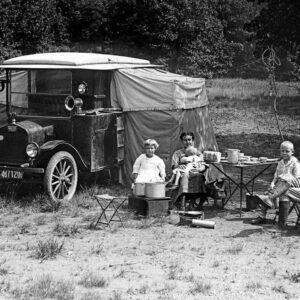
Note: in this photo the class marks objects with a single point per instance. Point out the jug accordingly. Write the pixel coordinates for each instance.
(233, 156)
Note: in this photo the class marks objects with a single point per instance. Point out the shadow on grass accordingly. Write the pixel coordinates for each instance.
(246, 233)
(243, 219)
(291, 231)
(267, 228)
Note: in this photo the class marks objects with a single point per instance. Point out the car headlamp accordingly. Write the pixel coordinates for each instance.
(82, 88)
(32, 150)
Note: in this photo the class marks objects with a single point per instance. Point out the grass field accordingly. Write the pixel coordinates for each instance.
(50, 251)
(243, 115)
(248, 89)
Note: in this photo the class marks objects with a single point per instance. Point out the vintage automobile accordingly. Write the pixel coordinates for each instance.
(60, 121)
(63, 115)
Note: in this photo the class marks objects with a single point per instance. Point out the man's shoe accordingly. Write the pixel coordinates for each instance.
(277, 228)
(265, 199)
(258, 221)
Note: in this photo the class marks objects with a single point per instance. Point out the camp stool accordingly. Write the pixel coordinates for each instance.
(294, 195)
(112, 204)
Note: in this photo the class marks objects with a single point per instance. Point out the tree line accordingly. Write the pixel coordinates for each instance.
(197, 37)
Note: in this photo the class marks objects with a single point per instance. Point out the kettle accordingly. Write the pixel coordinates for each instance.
(233, 156)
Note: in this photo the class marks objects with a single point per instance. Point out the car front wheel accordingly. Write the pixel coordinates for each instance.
(61, 176)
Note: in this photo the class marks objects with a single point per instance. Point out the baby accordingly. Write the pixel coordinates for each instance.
(287, 175)
(187, 163)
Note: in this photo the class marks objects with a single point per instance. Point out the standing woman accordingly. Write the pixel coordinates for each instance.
(148, 167)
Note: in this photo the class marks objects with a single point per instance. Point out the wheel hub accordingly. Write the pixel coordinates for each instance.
(63, 178)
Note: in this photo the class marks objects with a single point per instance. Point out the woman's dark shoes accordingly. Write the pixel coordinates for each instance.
(258, 221)
(169, 184)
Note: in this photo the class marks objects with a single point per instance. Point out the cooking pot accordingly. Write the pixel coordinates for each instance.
(192, 213)
(139, 189)
(233, 156)
(155, 190)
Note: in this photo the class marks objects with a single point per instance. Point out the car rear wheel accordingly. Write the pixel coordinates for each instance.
(61, 176)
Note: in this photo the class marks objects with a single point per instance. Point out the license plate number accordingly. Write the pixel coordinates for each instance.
(11, 174)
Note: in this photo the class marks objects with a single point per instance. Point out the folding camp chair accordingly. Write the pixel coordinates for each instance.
(109, 203)
(294, 195)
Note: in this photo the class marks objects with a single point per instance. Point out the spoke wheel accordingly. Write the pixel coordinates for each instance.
(61, 176)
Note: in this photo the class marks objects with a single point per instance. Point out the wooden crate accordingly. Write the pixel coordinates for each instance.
(149, 207)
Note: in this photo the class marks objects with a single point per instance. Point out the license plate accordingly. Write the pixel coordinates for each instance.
(11, 174)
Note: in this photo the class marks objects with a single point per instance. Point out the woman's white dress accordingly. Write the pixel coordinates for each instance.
(149, 169)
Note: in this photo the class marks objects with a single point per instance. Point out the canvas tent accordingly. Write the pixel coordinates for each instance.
(161, 105)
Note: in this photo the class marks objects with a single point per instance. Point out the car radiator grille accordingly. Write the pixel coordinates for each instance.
(12, 147)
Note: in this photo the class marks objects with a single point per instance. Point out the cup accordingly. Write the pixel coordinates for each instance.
(241, 156)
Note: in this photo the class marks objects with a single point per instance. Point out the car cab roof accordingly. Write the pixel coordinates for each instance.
(74, 60)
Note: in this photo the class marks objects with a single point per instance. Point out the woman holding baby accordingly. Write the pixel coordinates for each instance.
(179, 159)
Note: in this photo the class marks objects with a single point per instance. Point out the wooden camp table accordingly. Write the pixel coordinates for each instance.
(241, 184)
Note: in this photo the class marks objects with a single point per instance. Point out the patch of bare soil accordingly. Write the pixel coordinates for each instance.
(59, 255)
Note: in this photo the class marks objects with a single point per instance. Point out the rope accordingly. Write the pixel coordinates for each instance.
(270, 60)
(245, 65)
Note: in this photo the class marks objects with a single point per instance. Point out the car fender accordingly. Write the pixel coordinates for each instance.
(48, 149)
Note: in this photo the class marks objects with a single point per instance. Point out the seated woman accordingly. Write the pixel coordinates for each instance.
(188, 140)
(190, 162)
(148, 167)
(189, 182)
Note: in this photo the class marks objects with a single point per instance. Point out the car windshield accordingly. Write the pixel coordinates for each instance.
(40, 92)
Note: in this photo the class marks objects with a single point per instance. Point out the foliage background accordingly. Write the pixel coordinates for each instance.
(208, 38)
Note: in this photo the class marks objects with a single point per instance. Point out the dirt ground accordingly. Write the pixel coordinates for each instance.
(151, 258)
(57, 254)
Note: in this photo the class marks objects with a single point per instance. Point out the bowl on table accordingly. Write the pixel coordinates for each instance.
(254, 159)
(263, 159)
(246, 158)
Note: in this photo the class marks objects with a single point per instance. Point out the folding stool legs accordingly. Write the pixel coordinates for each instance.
(103, 214)
(109, 206)
(116, 212)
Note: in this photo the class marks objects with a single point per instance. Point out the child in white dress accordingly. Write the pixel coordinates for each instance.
(148, 167)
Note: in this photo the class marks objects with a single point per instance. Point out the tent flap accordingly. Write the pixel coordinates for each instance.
(166, 130)
(154, 89)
